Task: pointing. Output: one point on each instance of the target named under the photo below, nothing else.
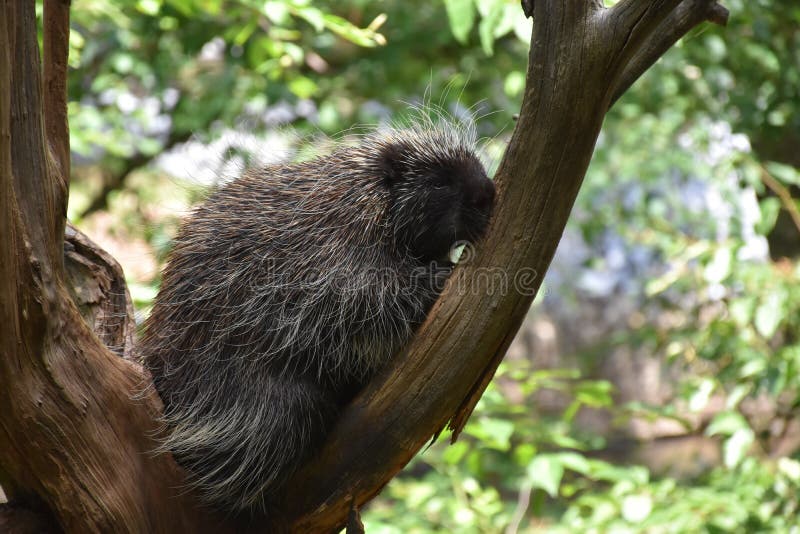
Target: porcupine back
(289, 287)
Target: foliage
(233, 56)
(681, 217)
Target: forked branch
(633, 21)
(680, 20)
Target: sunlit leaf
(545, 472)
(770, 313)
(785, 173)
(461, 14)
(636, 508)
(726, 423)
(492, 12)
(736, 446)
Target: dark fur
(289, 287)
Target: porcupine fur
(290, 286)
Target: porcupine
(290, 286)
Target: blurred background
(654, 385)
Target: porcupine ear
(391, 161)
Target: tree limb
(683, 18)
(528, 7)
(35, 193)
(72, 435)
(638, 18)
(56, 49)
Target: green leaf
(185, 7)
(636, 508)
(524, 453)
(545, 472)
(742, 310)
(739, 392)
(702, 394)
(595, 393)
(785, 173)
(303, 87)
(313, 16)
(149, 7)
(244, 33)
(770, 313)
(719, 267)
(770, 208)
(630, 475)
(461, 15)
(507, 20)
(762, 56)
(496, 433)
(492, 11)
(726, 423)
(123, 62)
(716, 47)
(574, 462)
(455, 452)
(277, 12)
(149, 146)
(736, 447)
(514, 83)
(752, 368)
(790, 468)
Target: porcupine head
(286, 290)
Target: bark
(77, 421)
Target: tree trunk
(77, 421)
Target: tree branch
(682, 19)
(56, 50)
(6, 178)
(633, 21)
(9, 214)
(527, 7)
(42, 205)
(569, 11)
(71, 434)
